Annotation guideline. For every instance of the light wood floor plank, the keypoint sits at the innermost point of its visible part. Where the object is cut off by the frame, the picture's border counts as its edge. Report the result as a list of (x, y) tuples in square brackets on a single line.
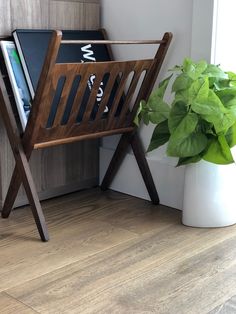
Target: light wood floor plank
[(9, 305), (158, 259), (74, 236), (112, 253), (229, 307)]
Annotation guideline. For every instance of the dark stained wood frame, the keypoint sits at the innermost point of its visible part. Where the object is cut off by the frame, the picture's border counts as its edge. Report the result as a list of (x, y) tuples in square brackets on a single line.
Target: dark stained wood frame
[(38, 135)]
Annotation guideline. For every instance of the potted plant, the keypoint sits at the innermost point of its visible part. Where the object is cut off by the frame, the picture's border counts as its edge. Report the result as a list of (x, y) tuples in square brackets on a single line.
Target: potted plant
[(199, 127)]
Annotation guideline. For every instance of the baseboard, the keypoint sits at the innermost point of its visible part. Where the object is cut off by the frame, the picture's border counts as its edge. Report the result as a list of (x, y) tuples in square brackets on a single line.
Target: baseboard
[(60, 190), (168, 179)]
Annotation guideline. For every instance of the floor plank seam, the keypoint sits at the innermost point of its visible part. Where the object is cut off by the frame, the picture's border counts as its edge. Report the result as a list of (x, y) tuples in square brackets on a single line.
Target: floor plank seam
[(89, 257), (142, 273), (138, 274), (19, 301), (126, 259)]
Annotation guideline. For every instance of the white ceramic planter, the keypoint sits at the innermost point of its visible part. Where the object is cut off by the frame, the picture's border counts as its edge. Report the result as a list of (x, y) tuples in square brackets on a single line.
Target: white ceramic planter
[(209, 195)]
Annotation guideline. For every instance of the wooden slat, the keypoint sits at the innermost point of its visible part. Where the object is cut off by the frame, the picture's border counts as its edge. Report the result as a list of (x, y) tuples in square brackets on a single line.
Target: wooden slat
[(127, 112), (85, 70), (137, 68), (114, 42), (128, 98), (119, 93), (79, 96), (80, 137), (92, 98), (110, 84), (44, 93), (152, 75), (63, 99)]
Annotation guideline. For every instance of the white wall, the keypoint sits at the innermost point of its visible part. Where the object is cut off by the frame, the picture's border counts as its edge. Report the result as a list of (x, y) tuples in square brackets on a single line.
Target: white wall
[(225, 44), (202, 28), (149, 19)]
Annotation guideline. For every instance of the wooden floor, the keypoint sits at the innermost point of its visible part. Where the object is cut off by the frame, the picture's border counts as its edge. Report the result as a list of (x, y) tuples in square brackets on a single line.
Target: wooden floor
[(111, 253)]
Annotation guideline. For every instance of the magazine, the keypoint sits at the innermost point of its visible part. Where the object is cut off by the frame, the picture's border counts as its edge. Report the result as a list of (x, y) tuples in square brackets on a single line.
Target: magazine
[(32, 46), (17, 79)]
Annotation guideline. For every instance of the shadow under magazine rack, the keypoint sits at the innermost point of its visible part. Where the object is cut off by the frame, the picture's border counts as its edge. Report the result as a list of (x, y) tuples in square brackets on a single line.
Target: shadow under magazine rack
[(92, 124)]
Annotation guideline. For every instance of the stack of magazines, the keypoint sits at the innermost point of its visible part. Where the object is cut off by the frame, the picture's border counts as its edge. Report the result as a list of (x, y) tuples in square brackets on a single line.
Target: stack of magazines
[(24, 58)]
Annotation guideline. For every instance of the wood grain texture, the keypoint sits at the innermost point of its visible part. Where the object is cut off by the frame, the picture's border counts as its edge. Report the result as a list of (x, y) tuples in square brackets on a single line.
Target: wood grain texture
[(229, 307), (29, 14), (73, 15), (89, 237), (10, 305), (116, 254), (80, 173), (80, 14), (5, 21), (81, 1)]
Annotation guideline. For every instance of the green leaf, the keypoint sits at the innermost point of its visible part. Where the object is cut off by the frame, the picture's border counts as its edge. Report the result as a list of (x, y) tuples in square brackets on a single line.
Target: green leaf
[(182, 95), (218, 84), (145, 117), (159, 110), (139, 112), (177, 114), (136, 120), (188, 160), (182, 82), (188, 146), (214, 71), (205, 127), (212, 107), (232, 78), (156, 109), (176, 68), (185, 141), (222, 124), (231, 135), (201, 120), (227, 97), (186, 126), (226, 92), (160, 92), (160, 136), (214, 112), (194, 70), (198, 92), (219, 151)]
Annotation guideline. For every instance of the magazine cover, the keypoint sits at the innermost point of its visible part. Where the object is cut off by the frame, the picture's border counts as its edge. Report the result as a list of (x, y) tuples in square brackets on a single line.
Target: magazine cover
[(17, 79)]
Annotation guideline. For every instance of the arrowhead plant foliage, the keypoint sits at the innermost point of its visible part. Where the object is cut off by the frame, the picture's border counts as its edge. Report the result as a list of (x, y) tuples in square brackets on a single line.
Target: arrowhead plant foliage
[(200, 122)]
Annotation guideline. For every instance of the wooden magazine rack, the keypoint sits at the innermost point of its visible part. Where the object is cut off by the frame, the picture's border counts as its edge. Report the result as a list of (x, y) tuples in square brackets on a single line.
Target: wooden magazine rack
[(38, 135)]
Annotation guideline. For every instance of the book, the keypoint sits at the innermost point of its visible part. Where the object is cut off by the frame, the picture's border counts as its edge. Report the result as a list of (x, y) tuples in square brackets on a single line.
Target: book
[(17, 79), (32, 46)]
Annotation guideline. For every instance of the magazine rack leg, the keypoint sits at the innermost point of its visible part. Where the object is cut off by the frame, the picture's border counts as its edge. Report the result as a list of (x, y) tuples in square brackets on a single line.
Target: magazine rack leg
[(11, 193), (144, 168), (23, 174), (133, 140), (13, 190), (116, 160)]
